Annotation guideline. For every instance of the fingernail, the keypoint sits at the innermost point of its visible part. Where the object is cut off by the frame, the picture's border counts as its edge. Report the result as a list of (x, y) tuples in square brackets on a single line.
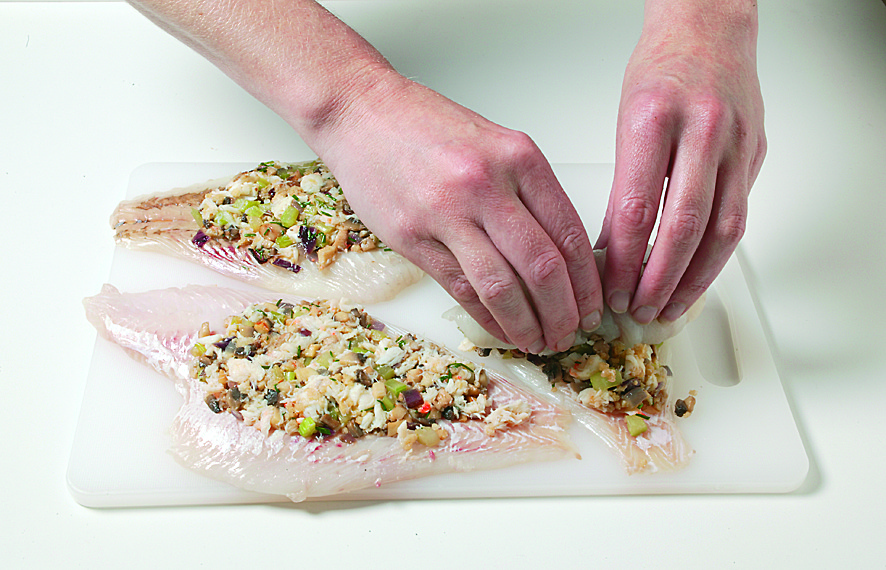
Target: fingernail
[(645, 314), (619, 301), (565, 342), (537, 346), (672, 312), (591, 322)]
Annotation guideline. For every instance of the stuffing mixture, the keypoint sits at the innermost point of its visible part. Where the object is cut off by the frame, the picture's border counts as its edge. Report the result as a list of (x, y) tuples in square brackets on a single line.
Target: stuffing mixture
[(318, 369), (284, 214)]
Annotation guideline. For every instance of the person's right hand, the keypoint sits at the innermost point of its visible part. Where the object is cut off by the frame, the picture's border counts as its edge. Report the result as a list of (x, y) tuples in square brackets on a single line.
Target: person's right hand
[(474, 204)]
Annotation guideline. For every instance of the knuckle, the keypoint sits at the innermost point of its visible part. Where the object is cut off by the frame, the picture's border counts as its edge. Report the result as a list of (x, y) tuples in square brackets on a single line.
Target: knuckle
[(461, 289), (713, 122), (731, 229), (574, 243), (635, 215), (545, 266), (404, 232), (495, 291), (520, 146), (687, 228), (649, 114)]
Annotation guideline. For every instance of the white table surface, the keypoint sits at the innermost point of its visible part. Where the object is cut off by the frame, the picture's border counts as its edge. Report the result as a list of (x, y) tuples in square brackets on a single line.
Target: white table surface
[(90, 91)]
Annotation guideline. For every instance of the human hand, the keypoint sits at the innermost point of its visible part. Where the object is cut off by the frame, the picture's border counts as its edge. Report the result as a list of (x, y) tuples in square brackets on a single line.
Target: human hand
[(474, 204), (691, 111)]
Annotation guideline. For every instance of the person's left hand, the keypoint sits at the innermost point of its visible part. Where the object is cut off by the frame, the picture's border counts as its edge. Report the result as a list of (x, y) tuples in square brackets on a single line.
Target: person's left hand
[(691, 113)]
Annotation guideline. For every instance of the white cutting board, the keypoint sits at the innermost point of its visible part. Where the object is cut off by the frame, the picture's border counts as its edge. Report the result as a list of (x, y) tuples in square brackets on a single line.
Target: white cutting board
[(742, 429)]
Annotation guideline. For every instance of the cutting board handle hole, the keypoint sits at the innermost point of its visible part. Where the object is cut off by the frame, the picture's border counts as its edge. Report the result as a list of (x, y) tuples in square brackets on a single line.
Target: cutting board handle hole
[(714, 344)]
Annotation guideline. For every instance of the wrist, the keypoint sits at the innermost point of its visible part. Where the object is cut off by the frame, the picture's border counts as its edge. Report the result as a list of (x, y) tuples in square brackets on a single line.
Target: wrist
[(736, 19)]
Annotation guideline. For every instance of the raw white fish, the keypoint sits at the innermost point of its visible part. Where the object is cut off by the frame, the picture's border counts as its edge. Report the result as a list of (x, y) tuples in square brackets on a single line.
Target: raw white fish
[(662, 447), (164, 223), (613, 325), (160, 327)]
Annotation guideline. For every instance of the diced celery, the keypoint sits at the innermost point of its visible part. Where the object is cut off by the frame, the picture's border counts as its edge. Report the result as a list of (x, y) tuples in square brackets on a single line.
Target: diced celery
[(283, 241), (324, 228), (289, 376), (263, 182), (387, 403), (254, 223), (223, 218), (387, 373), (289, 217), (197, 217), (307, 427), (636, 425), (324, 360), (377, 335), (427, 436), (253, 211), (243, 204), (600, 383), (393, 385)]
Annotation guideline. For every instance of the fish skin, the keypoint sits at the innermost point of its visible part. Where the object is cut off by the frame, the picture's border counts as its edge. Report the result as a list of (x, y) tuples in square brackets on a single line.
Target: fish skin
[(159, 328), (163, 223)]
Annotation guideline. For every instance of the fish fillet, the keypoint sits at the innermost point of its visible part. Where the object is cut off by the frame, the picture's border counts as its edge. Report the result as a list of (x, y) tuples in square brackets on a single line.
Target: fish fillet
[(159, 328), (165, 223)]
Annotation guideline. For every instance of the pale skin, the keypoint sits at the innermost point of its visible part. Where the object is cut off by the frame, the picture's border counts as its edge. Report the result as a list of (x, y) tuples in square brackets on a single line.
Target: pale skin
[(476, 205)]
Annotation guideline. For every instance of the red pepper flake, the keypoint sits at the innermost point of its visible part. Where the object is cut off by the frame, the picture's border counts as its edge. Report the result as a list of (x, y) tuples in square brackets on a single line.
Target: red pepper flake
[(425, 408)]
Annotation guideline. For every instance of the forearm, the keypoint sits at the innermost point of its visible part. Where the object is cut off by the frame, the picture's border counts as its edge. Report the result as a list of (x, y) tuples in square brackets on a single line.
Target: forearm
[(293, 55)]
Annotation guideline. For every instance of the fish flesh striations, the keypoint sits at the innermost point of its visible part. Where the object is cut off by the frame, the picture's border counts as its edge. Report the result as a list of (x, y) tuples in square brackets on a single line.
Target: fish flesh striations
[(160, 328), (177, 223)]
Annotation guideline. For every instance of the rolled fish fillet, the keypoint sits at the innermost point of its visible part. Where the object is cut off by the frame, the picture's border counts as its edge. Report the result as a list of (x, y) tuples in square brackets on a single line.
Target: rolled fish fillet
[(233, 424), (615, 380), (613, 325), (281, 226)]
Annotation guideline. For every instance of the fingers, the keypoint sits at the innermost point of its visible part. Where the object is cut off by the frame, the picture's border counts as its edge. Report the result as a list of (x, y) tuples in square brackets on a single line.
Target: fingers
[(480, 279), (684, 220), (702, 218), (545, 200), (514, 276), (722, 234), (641, 165), (439, 262)]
